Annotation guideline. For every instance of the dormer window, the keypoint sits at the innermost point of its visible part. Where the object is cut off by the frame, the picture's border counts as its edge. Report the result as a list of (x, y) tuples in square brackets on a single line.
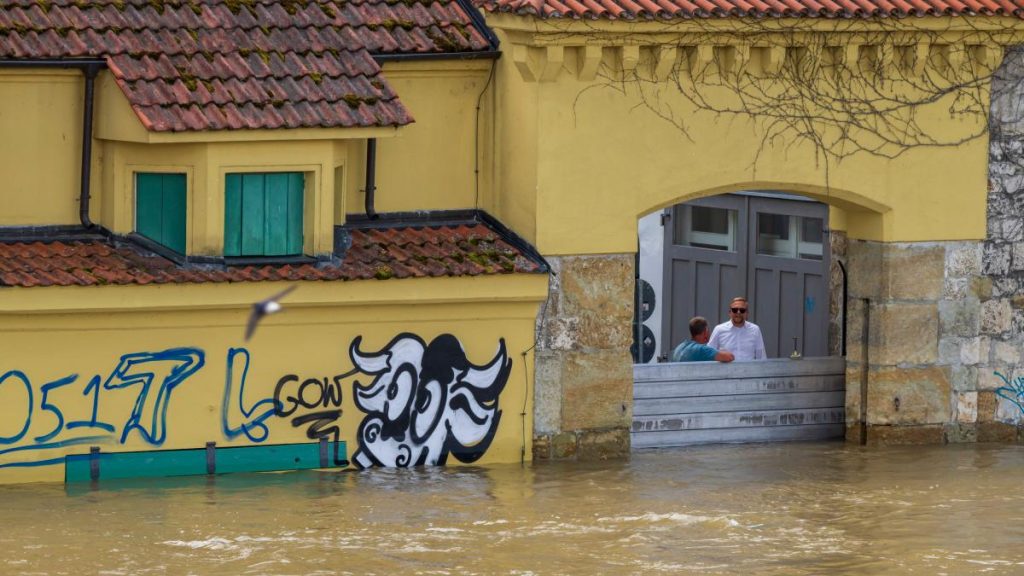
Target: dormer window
[(160, 202), (263, 214)]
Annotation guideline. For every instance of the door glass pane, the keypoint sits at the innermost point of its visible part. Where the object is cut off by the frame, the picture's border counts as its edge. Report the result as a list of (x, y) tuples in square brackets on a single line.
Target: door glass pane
[(789, 236), (774, 237), (811, 237), (705, 227)]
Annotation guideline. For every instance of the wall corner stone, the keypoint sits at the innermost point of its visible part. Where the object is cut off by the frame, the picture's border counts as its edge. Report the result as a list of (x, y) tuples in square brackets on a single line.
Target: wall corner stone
[(583, 369)]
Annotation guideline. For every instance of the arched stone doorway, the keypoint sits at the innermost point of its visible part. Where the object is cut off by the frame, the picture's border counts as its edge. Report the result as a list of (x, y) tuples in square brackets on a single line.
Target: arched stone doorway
[(775, 249), (583, 373)]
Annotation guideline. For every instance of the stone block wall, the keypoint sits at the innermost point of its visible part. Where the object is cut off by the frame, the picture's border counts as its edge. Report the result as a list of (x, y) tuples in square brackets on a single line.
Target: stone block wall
[(837, 246), (893, 345), (936, 330), (928, 331), (583, 393)]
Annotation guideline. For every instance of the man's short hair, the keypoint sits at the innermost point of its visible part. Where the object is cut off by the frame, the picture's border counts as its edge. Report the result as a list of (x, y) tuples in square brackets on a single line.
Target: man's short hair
[(740, 299), (697, 326)]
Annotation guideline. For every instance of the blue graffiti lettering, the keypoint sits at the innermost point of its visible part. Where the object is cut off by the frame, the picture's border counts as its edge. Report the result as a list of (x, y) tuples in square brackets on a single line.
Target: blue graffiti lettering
[(45, 404), (186, 362), (148, 415), (253, 427), (1013, 391), (28, 416), (94, 389)]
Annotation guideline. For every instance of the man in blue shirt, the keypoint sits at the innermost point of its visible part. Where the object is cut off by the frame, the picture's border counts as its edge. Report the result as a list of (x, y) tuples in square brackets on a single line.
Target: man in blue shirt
[(696, 349)]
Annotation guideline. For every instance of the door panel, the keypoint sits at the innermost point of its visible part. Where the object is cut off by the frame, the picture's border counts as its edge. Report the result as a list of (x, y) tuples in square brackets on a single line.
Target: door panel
[(816, 314), (703, 279), (763, 308), (788, 263)]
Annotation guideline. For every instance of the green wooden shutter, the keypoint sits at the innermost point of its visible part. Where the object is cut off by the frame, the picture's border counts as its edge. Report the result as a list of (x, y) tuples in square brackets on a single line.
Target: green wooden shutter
[(263, 214), (233, 215), (160, 208)]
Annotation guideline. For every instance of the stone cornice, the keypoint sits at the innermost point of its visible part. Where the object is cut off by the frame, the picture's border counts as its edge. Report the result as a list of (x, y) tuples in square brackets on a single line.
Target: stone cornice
[(543, 50)]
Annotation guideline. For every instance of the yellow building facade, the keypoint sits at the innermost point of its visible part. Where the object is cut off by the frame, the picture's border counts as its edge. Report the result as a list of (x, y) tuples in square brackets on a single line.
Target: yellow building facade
[(406, 340), (424, 328)]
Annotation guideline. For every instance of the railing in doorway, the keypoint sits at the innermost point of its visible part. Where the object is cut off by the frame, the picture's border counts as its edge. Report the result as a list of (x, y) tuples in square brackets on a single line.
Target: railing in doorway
[(677, 404)]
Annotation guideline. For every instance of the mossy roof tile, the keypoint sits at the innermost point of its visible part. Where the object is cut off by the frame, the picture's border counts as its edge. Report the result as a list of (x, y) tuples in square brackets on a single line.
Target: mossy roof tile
[(411, 251), (179, 47)]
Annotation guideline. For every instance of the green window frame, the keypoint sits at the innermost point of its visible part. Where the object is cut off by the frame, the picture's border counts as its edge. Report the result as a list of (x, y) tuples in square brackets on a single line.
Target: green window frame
[(263, 214), (160, 208)]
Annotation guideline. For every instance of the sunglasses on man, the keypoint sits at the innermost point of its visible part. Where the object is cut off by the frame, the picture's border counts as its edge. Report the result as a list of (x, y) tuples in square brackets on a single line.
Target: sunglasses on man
[(738, 310)]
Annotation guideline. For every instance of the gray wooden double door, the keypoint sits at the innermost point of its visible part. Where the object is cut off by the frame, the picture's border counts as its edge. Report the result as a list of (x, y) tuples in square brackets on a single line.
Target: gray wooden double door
[(772, 250)]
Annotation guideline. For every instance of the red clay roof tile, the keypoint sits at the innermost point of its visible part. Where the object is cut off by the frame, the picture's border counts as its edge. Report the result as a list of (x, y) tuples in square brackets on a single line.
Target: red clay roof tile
[(183, 51), (381, 253), (670, 9)]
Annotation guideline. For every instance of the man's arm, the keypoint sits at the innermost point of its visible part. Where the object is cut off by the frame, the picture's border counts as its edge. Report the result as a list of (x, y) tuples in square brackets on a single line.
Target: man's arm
[(724, 356), (759, 352)]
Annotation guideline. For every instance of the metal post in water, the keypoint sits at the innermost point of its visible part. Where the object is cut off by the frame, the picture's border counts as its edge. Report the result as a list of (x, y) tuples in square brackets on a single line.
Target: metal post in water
[(864, 373)]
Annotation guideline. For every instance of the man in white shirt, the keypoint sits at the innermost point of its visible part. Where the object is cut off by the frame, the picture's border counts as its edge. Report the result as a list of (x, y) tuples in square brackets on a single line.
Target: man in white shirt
[(740, 337)]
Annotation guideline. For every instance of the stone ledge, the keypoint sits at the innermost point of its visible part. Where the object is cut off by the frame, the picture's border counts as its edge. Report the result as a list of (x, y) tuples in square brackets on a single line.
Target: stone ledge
[(998, 432), (961, 433), (906, 435), (594, 444)]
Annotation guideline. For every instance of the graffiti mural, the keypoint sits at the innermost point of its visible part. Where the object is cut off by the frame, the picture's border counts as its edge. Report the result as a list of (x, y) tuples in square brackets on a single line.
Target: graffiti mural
[(426, 402), (321, 398), (1013, 391)]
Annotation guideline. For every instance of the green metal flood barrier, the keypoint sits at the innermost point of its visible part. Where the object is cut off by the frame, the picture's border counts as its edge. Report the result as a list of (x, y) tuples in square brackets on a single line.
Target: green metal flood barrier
[(97, 465)]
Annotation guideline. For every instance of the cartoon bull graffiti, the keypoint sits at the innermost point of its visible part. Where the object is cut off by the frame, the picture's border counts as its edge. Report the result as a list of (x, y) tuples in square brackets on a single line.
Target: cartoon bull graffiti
[(426, 402)]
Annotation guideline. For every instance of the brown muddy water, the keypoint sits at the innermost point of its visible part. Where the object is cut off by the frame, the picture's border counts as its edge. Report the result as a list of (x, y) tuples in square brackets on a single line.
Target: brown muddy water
[(786, 509)]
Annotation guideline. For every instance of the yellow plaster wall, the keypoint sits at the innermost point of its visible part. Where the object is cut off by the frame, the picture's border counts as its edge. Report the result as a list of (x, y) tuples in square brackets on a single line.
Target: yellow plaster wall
[(430, 165), (604, 158), (40, 152), (603, 162), (516, 153), (50, 334)]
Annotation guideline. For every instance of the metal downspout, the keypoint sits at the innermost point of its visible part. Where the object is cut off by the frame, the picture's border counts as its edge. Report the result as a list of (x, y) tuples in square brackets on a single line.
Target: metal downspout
[(843, 268), (371, 177), (90, 73)]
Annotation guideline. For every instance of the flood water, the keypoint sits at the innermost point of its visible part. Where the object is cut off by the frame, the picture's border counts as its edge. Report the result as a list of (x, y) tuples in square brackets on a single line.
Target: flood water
[(823, 508)]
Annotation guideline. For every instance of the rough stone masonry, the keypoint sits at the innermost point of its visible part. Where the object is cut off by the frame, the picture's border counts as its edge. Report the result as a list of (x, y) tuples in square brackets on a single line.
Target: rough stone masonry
[(583, 395)]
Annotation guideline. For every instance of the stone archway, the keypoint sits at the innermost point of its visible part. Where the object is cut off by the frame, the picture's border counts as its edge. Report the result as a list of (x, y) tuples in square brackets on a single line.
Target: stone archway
[(583, 369)]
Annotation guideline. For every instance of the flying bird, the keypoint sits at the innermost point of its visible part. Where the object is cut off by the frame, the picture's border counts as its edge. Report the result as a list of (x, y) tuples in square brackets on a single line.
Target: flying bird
[(263, 308)]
